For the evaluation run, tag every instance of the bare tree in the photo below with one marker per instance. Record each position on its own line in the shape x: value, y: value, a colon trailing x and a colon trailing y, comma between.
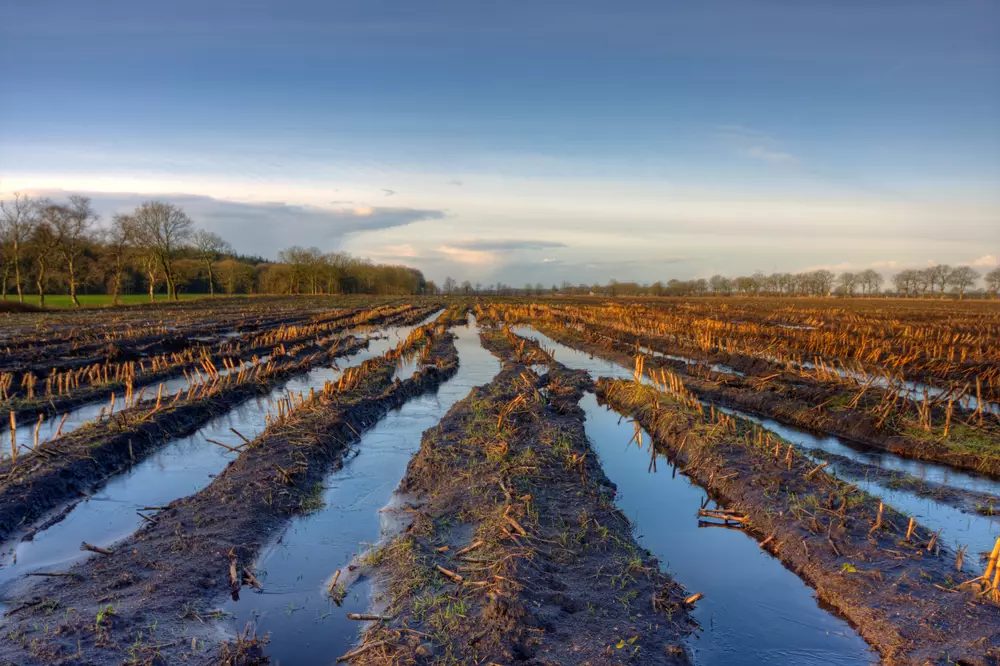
x: 962, y: 278
x: 43, y: 244
x: 848, y: 281
x: 210, y: 246
x: 161, y: 230
x: 119, y: 239
x: 940, y: 275
x: 992, y: 280
x: 72, y: 225
x: 17, y: 223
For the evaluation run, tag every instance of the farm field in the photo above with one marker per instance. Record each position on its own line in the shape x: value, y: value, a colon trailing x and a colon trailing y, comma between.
x: 559, y: 480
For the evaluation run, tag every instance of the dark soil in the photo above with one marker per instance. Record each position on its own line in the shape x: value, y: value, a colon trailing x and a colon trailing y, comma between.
x: 551, y: 573
x: 66, y: 467
x: 235, y: 350
x: 904, y: 600
x: 148, y: 601
x: 16, y: 307
x: 800, y: 405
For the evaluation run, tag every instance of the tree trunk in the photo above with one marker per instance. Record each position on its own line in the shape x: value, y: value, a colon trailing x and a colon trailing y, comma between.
x: 17, y: 276
x: 211, y: 281
x: 116, y: 284
x: 152, y: 286
x: 71, y: 269
x: 40, y: 281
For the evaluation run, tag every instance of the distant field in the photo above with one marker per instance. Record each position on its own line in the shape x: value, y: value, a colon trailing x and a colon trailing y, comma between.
x: 63, y: 300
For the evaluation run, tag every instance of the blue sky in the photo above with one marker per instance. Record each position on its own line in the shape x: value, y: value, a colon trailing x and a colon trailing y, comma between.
x: 520, y: 142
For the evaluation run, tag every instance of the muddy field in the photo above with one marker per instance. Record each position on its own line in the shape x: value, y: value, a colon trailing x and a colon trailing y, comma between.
x: 476, y: 481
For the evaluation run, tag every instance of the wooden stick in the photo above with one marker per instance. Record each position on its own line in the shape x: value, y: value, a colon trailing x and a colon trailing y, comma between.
x: 333, y: 583
x: 816, y: 469
x: 992, y: 563
x: 95, y: 549
x: 61, y: 422
x: 237, y: 433
x: 13, y: 437
x: 38, y: 426
x: 450, y: 574
x: 360, y: 651
x: 469, y: 548
x: 252, y: 579
x: 368, y: 617
x: 225, y: 446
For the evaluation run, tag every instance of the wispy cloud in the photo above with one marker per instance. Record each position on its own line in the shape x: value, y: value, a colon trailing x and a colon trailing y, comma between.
x: 490, y: 245
x: 773, y: 156
x: 754, y: 143
x: 264, y: 228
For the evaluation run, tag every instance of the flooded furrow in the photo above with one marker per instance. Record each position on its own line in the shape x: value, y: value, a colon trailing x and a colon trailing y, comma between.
x: 304, y: 625
x: 90, y: 411
x: 960, y: 528
x: 182, y: 467
x: 755, y: 611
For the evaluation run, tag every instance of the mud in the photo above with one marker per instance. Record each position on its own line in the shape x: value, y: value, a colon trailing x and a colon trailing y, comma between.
x: 800, y: 406
x: 905, y: 601
x: 66, y: 467
x: 551, y: 572
x: 230, y: 349
x: 147, y: 601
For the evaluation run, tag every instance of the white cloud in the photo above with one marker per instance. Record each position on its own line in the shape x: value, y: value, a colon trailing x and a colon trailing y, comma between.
x: 985, y: 261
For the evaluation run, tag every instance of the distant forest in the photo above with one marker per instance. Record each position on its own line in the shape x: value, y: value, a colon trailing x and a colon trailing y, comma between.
x: 49, y: 247
x: 934, y: 281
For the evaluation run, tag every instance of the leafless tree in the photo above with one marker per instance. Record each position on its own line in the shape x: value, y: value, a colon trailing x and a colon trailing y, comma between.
x: 939, y: 275
x: 992, y: 280
x: 161, y: 230
x: 962, y: 278
x: 119, y: 240
x: 44, y: 243
x: 210, y: 246
x: 848, y: 281
x: 18, y: 219
x: 72, y: 225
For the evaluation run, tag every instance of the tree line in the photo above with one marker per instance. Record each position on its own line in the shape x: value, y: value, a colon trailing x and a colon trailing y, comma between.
x: 50, y: 246
x: 937, y: 280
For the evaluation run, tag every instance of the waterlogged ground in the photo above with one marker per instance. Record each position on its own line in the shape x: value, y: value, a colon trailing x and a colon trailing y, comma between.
x: 294, y: 609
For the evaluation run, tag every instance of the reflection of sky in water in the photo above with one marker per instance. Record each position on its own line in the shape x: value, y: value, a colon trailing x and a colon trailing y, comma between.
x: 181, y: 467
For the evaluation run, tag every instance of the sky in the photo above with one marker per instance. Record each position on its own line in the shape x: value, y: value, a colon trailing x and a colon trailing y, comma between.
x: 525, y: 141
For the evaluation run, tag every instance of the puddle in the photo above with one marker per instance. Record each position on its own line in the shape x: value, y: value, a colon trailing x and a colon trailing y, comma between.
x: 305, y: 626
x: 180, y: 468
x: 755, y: 611
x: 960, y: 528
x: 87, y: 412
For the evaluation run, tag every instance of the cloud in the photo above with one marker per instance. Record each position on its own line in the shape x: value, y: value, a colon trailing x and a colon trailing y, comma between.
x: 489, y: 245
x: 773, y: 156
x: 754, y: 144
x: 467, y: 256
x: 987, y: 261
x: 389, y: 193
x: 456, y: 183
x: 263, y: 228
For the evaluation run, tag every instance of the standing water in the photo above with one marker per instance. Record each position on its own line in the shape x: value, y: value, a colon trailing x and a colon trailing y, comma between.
x: 180, y: 468
x: 304, y: 624
x: 754, y: 611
